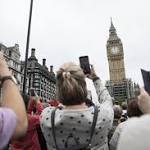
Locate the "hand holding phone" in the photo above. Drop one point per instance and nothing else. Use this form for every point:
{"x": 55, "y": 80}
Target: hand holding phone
{"x": 84, "y": 64}
{"x": 92, "y": 74}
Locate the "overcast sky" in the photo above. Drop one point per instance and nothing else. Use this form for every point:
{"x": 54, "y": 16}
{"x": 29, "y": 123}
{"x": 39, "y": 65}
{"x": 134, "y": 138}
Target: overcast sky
{"x": 63, "y": 30}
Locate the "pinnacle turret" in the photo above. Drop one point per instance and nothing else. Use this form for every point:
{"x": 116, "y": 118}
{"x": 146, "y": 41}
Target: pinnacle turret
{"x": 112, "y": 28}
{"x": 112, "y": 32}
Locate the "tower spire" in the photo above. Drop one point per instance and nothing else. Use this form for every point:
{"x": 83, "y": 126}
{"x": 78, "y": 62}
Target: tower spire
{"x": 112, "y": 28}
{"x": 111, "y": 20}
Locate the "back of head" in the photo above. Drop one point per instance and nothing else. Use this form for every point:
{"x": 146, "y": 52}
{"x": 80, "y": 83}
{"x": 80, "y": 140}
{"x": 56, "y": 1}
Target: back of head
{"x": 133, "y": 108}
{"x": 71, "y": 84}
{"x": 117, "y": 111}
{"x": 124, "y": 105}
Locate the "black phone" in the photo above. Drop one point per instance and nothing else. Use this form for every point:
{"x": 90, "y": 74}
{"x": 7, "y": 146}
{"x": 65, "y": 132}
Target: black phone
{"x": 146, "y": 80}
{"x": 84, "y": 64}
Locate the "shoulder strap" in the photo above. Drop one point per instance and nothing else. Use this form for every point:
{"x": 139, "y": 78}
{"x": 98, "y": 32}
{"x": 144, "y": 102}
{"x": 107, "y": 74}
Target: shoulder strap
{"x": 53, "y": 127}
{"x": 92, "y": 127}
{"x": 94, "y": 123}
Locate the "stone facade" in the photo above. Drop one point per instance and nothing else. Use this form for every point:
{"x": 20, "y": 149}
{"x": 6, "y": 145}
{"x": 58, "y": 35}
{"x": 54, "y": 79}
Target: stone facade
{"x": 40, "y": 78}
{"x": 12, "y": 56}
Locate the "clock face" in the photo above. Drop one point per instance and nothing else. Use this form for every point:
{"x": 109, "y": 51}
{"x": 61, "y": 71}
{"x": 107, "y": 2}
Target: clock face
{"x": 114, "y": 50}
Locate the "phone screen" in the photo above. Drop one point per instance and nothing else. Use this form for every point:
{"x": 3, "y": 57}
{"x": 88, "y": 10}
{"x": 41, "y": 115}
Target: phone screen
{"x": 146, "y": 79}
{"x": 84, "y": 64}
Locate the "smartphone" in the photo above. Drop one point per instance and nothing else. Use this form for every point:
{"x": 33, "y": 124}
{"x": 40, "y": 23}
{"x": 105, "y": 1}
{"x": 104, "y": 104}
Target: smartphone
{"x": 84, "y": 64}
{"x": 146, "y": 80}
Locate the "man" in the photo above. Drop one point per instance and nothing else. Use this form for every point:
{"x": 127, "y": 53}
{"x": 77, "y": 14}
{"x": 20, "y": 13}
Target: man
{"x": 136, "y": 133}
{"x": 13, "y": 120}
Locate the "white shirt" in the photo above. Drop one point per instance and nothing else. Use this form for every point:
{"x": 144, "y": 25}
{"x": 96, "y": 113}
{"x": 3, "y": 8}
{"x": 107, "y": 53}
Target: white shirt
{"x": 114, "y": 139}
{"x": 136, "y": 134}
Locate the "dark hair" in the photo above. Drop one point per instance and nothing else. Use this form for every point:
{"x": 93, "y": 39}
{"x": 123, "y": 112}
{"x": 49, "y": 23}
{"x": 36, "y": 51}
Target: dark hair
{"x": 122, "y": 119}
{"x": 133, "y": 108}
{"x": 116, "y": 103}
{"x": 117, "y": 111}
{"x": 32, "y": 92}
{"x": 124, "y": 106}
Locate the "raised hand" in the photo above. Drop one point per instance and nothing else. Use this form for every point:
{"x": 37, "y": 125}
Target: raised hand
{"x": 144, "y": 101}
{"x": 92, "y": 74}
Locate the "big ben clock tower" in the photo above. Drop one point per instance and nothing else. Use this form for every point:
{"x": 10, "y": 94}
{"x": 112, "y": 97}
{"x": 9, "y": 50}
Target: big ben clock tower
{"x": 115, "y": 56}
{"x": 118, "y": 86}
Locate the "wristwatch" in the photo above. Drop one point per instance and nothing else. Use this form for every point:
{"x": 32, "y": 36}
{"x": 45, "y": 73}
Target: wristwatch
{"x": 4, "y": 78}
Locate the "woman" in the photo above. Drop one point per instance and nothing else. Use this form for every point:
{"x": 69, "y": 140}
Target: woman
{"x": 30, "y": 141}
{"x": 117, "y": 117}
{"x": 74, "y": 120}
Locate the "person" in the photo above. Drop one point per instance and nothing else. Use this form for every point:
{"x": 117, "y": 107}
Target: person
{"x": 30, "y": 141}
{"x": 73, "y": 121}
{"x": 136, "y": 133}
{"x": 132, "y": 111}
{"x": 53, "y": 102}
{"x": 13, "y": 120}
{"x": 117, "y": 116}
{"x": 124, "y": 111}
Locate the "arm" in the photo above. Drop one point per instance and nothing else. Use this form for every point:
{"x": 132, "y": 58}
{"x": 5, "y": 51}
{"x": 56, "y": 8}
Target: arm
{"x": 7, "y": 125}
{"x": 144, "y": 101}
{"x": 11, "y": 98}
{"x": 102, "y": 93}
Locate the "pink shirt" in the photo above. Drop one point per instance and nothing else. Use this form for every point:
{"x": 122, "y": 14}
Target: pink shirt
{"x": 7, "y": 125}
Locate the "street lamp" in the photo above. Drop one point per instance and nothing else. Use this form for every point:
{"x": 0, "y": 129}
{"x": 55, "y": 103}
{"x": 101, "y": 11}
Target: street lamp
{"x": 27, "y": 48}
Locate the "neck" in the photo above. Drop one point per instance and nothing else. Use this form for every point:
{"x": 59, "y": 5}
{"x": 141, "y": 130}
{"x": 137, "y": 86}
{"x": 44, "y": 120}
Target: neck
{"x": 83, "y": 105}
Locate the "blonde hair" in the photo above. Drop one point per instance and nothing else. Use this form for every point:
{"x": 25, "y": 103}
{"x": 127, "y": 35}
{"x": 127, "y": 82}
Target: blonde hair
{"x": 71, "y": 84}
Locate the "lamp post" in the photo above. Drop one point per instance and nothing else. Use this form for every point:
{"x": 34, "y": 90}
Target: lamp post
{"x": 27, "y": 48}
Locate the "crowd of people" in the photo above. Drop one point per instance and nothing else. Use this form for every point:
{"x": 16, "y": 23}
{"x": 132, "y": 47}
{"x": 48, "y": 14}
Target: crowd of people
{"x": 73, "y": 122}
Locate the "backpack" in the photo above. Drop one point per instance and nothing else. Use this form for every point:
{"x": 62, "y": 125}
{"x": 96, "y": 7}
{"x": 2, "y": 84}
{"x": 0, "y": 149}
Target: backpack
{"x": 83, "y": 147}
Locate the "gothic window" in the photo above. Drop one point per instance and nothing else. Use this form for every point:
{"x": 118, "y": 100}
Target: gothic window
{"x": 9, "y": 53}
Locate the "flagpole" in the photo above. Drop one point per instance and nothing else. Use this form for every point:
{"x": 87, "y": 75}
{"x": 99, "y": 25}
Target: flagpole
{"x": 27, "y": 48}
